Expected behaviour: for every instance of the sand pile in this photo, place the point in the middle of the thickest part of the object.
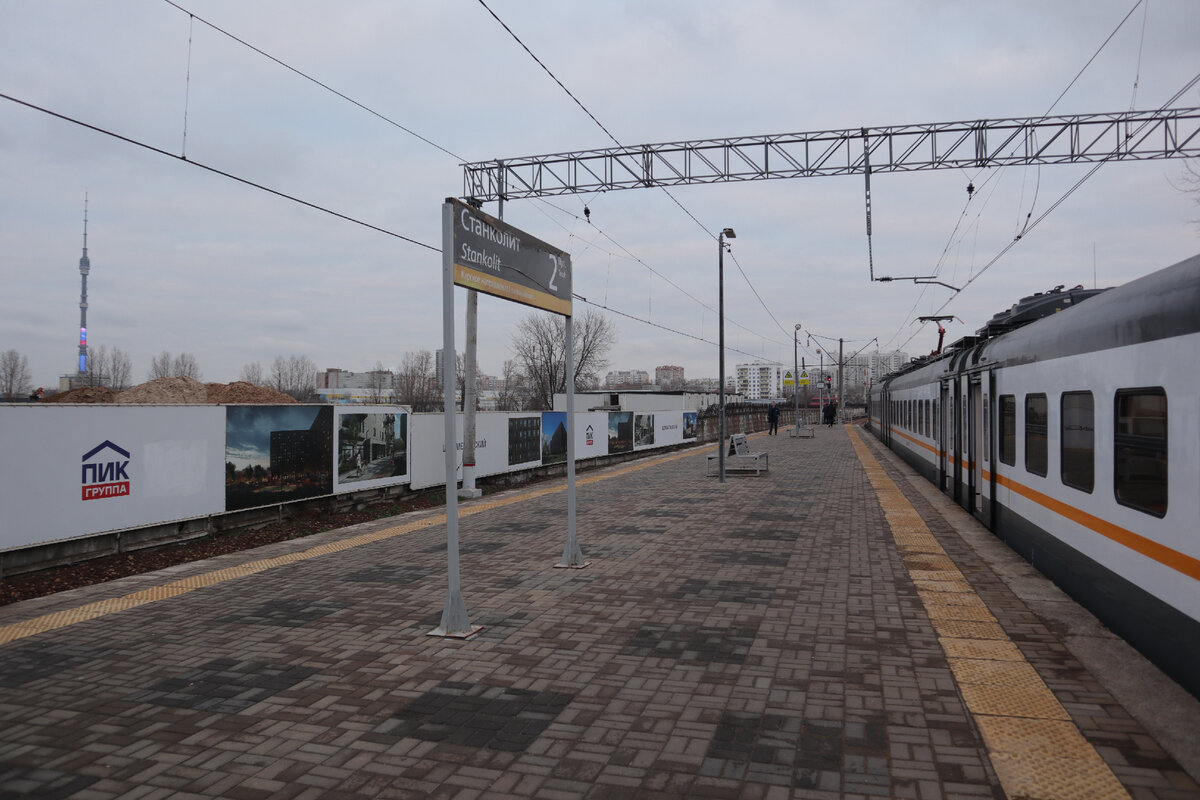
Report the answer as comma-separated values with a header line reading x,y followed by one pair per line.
x,y
165,390
175,391
84,394
242,392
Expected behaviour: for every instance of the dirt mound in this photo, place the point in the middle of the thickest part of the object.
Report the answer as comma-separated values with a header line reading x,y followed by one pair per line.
x,y
84,394
176,391
242,392
165,390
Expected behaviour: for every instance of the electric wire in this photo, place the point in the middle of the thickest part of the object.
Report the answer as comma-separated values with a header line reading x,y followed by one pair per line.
x,y
311,79
1186,87
220,172
193,17
614,139
1028,226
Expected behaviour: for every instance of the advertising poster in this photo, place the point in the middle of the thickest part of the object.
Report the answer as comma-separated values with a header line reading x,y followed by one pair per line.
x,y
620,431
554,437
74,471
690,425
643,430
372,447
524,440
274,454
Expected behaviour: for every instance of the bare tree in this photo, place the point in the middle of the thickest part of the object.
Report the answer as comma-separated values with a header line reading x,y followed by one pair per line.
x,y
120,367
540,349
511,396
160,366
414,380
15,379
380,384
98,367
253,373
294,375
184,365
1191,181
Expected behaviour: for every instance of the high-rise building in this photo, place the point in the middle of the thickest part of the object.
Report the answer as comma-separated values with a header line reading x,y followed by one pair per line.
x,y
627,377
669,376
760,380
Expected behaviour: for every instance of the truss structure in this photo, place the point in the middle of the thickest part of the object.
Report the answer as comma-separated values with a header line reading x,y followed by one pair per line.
x,y
1085,138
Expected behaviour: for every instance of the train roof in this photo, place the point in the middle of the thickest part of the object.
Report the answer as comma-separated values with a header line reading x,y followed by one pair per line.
x,y
1050,325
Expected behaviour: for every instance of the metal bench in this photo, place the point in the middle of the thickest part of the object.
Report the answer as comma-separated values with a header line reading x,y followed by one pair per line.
x,y
740,459
804,430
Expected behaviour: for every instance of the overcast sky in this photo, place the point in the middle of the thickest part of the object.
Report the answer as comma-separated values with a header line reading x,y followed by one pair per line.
x,y
185,260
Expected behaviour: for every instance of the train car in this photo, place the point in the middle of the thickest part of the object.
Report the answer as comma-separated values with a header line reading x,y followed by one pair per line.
x,y
1070,426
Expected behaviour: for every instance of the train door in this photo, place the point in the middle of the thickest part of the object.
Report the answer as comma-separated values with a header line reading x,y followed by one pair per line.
x,y
885,417
945,436
974,464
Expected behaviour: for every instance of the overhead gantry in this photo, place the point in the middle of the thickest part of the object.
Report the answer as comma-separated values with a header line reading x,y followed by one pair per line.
x,y
1080,138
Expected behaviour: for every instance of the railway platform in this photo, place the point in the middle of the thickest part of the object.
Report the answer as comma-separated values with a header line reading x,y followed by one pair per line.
x,y
829,628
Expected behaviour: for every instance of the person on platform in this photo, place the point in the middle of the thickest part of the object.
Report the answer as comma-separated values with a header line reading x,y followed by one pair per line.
x,y
773,420
830,413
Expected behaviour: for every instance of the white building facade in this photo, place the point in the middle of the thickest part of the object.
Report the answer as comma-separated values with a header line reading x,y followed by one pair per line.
x,y
759,381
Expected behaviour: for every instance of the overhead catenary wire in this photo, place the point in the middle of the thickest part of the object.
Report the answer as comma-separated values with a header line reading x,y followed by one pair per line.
x,y
1029,223
216,171
192,18
615,141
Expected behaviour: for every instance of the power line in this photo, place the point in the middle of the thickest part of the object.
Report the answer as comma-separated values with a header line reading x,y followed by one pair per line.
x,y
220,172
311,79
424,139
615,141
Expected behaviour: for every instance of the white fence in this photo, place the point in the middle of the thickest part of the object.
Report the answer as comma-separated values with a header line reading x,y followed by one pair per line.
x,y
73,471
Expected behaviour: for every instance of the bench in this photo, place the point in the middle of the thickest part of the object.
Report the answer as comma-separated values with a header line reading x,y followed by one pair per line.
x,y
803,430
740,459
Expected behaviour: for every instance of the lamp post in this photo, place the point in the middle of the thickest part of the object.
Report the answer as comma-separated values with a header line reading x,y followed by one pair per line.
x,y
721,237
796,376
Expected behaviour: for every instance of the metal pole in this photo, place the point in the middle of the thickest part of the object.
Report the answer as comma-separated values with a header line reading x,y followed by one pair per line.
x,y
721,349
841,382
796,376
455,622
469,381
572,556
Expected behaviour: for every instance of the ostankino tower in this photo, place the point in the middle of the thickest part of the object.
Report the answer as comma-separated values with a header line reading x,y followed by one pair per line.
x,y
85,267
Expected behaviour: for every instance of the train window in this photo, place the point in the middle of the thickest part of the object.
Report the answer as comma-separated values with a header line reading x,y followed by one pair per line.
x,y
1008,429
1035,433
1078,440
1140,443
987,412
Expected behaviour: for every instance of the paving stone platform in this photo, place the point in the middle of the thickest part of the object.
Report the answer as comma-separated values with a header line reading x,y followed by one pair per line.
x,y
769,637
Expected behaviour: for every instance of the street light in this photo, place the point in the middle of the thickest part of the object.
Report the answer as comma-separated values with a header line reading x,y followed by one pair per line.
x,y
796,375
721,237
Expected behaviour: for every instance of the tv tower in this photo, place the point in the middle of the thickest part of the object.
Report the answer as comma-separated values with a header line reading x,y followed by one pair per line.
x,y
85,267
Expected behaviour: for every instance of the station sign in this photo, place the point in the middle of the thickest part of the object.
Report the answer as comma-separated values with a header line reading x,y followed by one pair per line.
x,y
493,257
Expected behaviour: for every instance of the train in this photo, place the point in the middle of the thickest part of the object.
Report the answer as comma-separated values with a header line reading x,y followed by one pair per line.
x,y
1069,425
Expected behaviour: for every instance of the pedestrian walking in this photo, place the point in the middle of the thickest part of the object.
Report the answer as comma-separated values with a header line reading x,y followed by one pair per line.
x,y
773,420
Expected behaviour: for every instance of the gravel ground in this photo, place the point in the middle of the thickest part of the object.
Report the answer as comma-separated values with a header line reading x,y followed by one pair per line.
x,y
57,579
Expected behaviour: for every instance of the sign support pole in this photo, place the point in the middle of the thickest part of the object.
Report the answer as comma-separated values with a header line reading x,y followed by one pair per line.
x,y
455,623
572,556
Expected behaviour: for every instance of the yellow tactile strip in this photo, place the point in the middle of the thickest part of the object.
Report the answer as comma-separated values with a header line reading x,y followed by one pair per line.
x,y
71,616
1035,749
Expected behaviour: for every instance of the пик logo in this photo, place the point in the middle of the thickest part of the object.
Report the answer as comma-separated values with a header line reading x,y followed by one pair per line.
x,y
105,478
